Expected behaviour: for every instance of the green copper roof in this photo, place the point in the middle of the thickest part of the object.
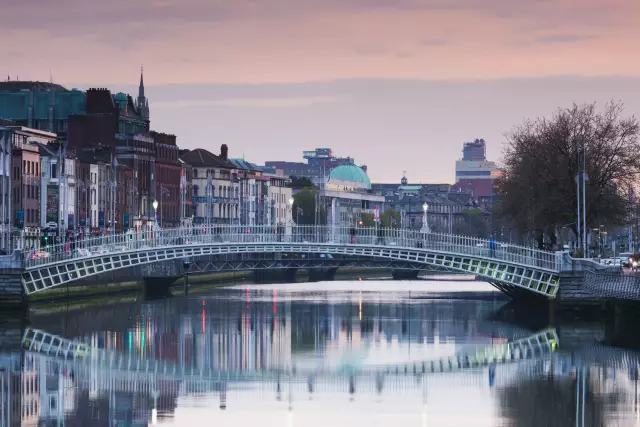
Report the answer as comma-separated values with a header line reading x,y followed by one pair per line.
x,y
350,173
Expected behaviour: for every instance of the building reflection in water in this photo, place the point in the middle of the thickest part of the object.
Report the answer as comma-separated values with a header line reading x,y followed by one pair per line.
x,y
262,335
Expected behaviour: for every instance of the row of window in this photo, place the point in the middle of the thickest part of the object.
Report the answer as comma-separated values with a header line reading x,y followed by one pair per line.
x,y
221,175
223,191
224,211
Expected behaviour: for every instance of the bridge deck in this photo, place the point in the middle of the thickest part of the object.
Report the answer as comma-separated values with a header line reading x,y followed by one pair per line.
x,y
515,266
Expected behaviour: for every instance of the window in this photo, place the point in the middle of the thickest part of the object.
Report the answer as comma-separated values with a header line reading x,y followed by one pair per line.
x,y
195,191
54,170
195,173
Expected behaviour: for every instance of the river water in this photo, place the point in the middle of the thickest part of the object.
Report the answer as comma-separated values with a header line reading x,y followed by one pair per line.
x,y
324,354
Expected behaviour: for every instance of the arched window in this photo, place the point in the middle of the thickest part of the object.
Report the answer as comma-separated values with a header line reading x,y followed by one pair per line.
x,y
219,211
195,173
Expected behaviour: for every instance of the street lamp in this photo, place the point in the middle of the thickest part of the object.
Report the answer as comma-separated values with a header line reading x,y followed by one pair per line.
x,y
164,191
291,207
425,224
155,210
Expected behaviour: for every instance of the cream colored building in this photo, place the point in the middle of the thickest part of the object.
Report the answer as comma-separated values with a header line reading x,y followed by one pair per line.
x,y
279,195
215,194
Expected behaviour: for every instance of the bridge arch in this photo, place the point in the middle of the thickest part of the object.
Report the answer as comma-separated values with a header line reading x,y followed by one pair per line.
x,y
504,269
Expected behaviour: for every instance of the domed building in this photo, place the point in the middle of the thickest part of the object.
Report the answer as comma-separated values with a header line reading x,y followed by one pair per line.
x,y
347,193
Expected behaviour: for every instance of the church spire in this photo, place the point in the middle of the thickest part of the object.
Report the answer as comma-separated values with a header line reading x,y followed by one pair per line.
x,y
143,102
141,88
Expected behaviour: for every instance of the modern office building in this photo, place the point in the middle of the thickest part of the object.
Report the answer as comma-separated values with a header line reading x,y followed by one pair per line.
x,y
475,173
319,163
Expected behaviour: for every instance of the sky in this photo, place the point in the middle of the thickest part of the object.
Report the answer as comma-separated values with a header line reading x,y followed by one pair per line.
x,y
397,84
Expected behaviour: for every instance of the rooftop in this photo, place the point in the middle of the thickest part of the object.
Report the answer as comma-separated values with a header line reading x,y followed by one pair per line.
x,y
350,172
202,157
15,86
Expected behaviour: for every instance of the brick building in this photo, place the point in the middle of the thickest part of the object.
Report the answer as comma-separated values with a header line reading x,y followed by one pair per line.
x,y
167,182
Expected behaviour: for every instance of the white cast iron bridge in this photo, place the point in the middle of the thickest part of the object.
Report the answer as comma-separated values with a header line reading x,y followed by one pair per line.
x,y
510,268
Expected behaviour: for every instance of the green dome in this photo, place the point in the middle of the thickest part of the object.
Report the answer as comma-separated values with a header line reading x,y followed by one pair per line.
x,y
350,173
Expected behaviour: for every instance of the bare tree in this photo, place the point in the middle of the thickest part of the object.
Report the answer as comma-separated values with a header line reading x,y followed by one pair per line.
x,y
542,158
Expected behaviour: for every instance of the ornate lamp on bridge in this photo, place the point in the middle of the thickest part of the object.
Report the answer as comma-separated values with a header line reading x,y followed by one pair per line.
x,y
425,224
155,212
289,221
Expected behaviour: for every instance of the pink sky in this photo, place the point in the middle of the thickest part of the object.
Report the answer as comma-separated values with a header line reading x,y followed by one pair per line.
x,y
298,56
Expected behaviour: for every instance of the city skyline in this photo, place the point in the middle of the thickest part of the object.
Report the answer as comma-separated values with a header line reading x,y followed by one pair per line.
x,y
272,78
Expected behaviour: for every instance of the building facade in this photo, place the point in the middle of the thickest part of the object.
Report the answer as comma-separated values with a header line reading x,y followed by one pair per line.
x,y
345,194
167,182
26,184
474,173
280,194
215,197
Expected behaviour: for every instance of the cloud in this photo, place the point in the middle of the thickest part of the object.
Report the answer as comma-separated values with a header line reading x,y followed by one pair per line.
x,y
370,50
434,42
289,102
563,38
379,122
83,15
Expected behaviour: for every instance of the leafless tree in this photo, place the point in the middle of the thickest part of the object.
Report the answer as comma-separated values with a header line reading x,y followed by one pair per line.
x,y
543,157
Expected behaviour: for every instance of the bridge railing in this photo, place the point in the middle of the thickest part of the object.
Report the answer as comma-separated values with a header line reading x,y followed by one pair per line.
x,y
370,236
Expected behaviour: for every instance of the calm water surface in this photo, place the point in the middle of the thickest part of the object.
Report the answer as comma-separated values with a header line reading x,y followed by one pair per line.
x,y
321,354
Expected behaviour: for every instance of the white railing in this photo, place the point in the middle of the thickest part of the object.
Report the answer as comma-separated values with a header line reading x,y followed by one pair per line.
x,y
225,235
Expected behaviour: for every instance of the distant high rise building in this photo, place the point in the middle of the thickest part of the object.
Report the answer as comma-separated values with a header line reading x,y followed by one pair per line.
x,y
474,172
474,151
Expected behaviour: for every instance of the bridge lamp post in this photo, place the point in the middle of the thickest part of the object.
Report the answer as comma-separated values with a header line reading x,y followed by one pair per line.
x,y
425,224
291,207
289,220
155,211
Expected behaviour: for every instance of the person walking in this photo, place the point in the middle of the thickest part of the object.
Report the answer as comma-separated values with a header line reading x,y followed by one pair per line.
x,y
380,240
492,246
352,236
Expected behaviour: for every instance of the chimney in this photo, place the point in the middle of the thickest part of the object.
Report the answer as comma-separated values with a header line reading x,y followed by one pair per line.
x,y
224,152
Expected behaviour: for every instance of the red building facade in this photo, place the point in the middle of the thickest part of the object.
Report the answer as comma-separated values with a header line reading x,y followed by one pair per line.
x,y
167,183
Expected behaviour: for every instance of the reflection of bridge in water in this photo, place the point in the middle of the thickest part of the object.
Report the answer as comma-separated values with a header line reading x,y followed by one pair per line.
x,y
98,372
82,358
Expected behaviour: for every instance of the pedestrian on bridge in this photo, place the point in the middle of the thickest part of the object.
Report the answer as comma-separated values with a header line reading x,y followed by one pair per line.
x,y
380,240
352,236
492,246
